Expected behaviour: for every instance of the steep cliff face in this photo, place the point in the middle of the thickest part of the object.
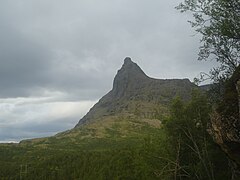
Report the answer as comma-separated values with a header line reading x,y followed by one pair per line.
x,y
129,78
136,94
225,122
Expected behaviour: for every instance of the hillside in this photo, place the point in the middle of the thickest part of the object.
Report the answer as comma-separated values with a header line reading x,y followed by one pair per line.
x,y
121,137
107,150
135,102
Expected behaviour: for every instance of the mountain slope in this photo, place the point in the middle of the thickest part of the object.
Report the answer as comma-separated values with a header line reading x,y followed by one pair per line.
x,y
119,138
136,94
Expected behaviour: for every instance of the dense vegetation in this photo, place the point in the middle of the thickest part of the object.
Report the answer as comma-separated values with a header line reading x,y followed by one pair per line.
x,y
196,155
218,22
131,157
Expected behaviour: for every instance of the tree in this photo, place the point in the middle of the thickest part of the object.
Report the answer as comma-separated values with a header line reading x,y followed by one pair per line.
x,y
195,155
218,21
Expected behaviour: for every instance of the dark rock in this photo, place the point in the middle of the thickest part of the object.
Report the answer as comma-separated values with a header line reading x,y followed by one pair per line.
x,y
225,122
132,88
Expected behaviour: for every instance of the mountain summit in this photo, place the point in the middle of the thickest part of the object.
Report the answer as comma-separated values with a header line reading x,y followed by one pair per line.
x,y
127,77
136,95
131,69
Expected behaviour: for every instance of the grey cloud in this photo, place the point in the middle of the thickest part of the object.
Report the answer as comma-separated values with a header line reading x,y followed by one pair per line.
x,y
36,127
33,130
48,42
21,63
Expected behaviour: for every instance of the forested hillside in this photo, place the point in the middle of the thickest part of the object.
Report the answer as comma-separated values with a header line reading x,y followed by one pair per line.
x,y
177,146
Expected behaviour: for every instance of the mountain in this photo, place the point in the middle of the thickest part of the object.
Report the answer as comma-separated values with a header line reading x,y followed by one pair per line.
x,y
121,137
136,94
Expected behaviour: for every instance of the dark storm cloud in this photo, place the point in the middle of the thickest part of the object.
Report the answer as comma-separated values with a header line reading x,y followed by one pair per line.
x,y
32,64
28,68
22,63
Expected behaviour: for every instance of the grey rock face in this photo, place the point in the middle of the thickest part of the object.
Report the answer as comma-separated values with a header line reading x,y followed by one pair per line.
x,y
129,77
134,92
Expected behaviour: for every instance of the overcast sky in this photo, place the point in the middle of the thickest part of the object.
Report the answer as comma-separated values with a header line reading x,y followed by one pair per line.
x,y
58,57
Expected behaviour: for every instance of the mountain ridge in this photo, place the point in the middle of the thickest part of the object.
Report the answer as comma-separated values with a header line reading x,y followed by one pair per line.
x,y
135,94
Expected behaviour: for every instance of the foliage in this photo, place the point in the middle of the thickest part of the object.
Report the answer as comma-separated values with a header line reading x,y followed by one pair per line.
x,y
195,155
218,21
68,156
228,106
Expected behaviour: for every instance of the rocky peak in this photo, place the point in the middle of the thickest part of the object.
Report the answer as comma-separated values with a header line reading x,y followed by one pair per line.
x,y
134,93
127,60
130,74
130,68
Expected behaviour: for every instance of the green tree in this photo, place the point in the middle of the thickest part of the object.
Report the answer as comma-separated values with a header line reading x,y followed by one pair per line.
x,y
218,21
195,155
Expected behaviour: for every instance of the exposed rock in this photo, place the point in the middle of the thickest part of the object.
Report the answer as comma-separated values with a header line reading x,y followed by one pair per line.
x,y
129,77
137,94
225,122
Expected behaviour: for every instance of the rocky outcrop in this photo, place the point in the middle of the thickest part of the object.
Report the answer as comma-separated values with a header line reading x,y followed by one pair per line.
x,y
225,122
134,93
129,78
